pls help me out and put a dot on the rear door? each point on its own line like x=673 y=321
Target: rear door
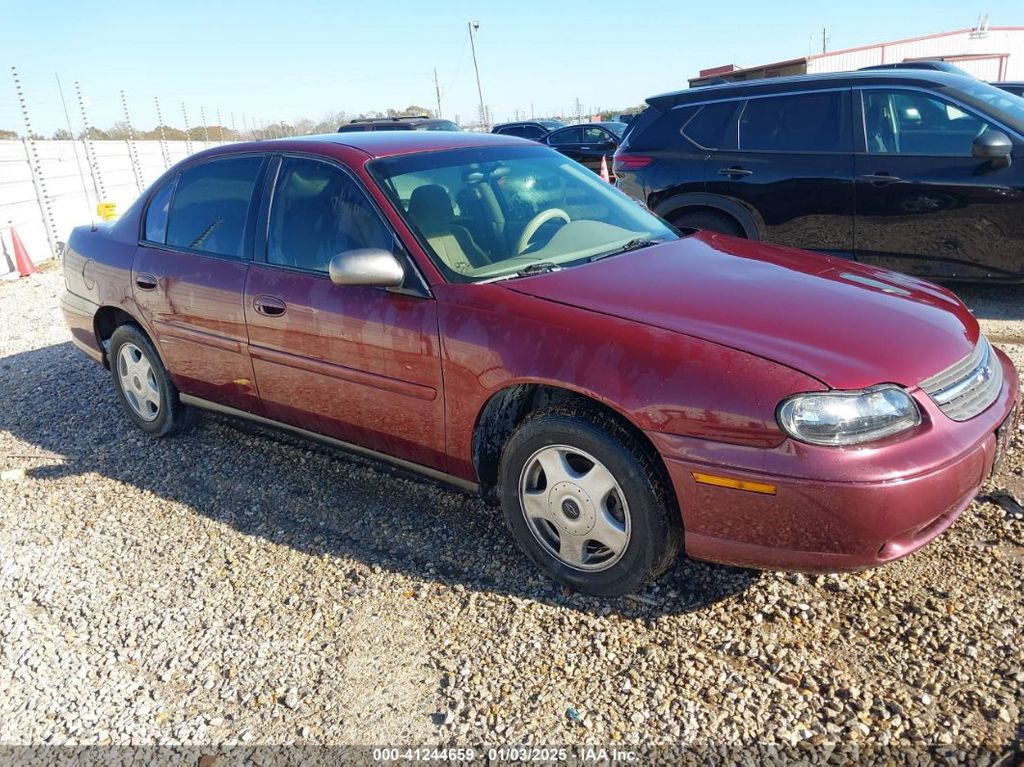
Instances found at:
x=189 y=276
x=924 y=203
x=359 y=364
x=792 y=164
x=597 y=143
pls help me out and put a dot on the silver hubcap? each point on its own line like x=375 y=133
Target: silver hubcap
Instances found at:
x=574 y=507
x=138 y=382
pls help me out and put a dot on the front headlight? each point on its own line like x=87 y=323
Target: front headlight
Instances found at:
x=848 y=417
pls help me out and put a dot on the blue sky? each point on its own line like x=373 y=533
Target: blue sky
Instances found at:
x=304 y=58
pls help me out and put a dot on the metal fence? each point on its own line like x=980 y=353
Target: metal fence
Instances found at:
x=49 y=187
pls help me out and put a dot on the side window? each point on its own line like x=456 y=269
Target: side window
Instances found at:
x=566 y=136
x=513 y=130
x=532 y=132
x=915 y=123
x=593 y=135
x=211 y=205
x=708 y=128
x=156 y=213
x=807 y=122
x=317 y=212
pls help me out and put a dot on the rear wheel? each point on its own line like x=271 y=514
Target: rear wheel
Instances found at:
x=585 y=503
x=711 y=220
x=146 y=392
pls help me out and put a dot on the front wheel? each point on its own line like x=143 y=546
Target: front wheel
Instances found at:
x=584 y=502
x=146 y=392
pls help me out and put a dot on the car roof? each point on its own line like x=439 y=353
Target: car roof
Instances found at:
x=923 y=77
x=376 y=143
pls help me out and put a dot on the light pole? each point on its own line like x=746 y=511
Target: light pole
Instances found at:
x=473 y=26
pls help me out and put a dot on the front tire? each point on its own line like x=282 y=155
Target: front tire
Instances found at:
x=146 y=392
x=586 y=504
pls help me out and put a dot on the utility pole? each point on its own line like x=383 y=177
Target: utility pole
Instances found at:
x=438 y=89
x=823 y=40
x=473 y=26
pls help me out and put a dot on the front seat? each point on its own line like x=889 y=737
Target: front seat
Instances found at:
x=432 y=211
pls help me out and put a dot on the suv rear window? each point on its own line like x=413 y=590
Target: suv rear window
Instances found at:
x=707 y=128
x=805 y=122
x=211 y=205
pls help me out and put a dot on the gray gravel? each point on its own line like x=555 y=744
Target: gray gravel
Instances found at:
x=239 y=587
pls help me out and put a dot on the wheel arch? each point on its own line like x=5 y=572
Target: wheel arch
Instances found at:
x=508 y=407
x=747 y=218
x=108 y=319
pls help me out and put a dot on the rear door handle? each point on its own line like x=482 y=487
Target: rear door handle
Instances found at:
x=146 y=281
x=879 y=179
x=269 y=306
x=735 y=171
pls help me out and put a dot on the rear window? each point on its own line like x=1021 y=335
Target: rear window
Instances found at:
x=708 y=127
x=806 y=122
x=156 y=213
x=211 y=205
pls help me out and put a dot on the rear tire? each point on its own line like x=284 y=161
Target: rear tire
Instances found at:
x=709 y=220
x=145 y=390
x=602 y=522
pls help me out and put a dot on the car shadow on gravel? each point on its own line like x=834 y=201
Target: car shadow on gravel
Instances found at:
x=315 y=499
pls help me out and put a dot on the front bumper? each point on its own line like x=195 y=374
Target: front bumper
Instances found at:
x=835 y=509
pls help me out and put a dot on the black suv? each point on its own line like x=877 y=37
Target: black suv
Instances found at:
x=531 y=129
x=412 y=122
x=913 y=170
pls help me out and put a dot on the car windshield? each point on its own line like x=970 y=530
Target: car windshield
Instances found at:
x=441 y=125
x=1002 y=105
x=488 y=213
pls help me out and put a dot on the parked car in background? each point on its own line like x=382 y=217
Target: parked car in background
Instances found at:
x=414 y=122
x=919 y=171
x=588 y=143
x=531 y=129
x=487 y=312
x=1016 y=88
x=934 y=65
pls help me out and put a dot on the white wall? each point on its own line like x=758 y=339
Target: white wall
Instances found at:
x=49 y=187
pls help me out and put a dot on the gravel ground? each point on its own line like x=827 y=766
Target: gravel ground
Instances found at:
x=239 y=587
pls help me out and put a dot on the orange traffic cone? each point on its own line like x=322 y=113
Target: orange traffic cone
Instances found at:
x=21 y=259
x=604 y=169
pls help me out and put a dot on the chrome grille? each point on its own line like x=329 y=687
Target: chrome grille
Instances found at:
x=966 y=388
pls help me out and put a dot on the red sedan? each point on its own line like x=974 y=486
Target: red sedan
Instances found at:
x=483 y=310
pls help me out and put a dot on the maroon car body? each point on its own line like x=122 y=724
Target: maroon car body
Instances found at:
x=693 y=342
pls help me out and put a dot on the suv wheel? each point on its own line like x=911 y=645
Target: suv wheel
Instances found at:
x=585 y=503
x=711 y=220
x=146 y=392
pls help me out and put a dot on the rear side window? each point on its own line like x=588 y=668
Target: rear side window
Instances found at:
x=318 y=211
x=806 y=122
x=709 y=128
x=211 y=205
x=156 y=213
x=512 y=130
x=532 y=131
x=566 y=136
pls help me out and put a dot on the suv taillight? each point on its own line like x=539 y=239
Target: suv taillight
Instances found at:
x=623 y=161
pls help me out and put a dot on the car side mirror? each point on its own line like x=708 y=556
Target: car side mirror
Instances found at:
x=373 y=267
x=993 y=145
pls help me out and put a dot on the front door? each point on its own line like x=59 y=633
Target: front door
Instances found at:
x=188 y=277
x=359 y=364
x=924 y=204
x=793 y=165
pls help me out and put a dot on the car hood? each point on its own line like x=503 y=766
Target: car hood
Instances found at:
x=846 y=324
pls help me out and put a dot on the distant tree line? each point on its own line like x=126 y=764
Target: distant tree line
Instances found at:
x=302 y=127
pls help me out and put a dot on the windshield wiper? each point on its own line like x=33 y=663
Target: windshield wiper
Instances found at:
x=635 y=244
x=541 y=267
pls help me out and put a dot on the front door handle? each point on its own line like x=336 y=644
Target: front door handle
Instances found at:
x=146 y=281
x=735 y=172
x=269 y=306
x=879 y=179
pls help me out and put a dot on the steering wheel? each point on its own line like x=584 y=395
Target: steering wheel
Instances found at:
x=534 y=225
